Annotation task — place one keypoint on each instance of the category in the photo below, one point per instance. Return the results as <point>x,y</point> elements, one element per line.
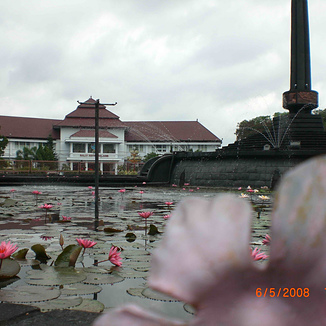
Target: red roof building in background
<point>74,137</point>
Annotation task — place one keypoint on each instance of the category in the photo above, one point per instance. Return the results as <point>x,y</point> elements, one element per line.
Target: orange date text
<point>283,292</point>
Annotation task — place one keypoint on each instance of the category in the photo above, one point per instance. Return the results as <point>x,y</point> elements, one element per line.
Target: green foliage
<point>253,126</point>
<point>45,152</point>
<point>149,156</point>
<point>322,113</point>
<point>3,144</point>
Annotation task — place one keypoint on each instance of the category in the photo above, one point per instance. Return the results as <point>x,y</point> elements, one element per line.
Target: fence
<point>44,167</point>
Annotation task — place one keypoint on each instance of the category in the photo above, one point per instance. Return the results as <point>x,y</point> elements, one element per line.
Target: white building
<point>75,135</point>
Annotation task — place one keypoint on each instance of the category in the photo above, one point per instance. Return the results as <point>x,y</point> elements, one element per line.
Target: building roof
<point>28,128</point>
<point>84,116</point>
<point>90,133</point>
<point>163,131</point>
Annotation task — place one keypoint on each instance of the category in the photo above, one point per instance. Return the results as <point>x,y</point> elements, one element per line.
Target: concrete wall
<point>228,172</point>
<point>225,168</point>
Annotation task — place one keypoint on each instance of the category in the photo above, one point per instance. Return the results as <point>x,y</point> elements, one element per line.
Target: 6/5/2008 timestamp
<point>283,292</point>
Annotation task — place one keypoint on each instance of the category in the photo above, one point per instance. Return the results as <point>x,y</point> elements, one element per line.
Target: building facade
<point>74,137</point>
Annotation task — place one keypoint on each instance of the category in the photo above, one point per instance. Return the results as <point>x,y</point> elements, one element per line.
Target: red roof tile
<point>161,131</point>
<point>91,133</point>
<point>35,128</point>
<point>83,122</point>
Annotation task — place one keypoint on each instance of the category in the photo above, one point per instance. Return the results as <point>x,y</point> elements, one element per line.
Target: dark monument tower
<point>305,129</point>
<point>300,93</point>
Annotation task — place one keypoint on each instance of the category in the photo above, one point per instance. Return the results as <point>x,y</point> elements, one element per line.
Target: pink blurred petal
<point>131,315</point>
<point>199,244</point>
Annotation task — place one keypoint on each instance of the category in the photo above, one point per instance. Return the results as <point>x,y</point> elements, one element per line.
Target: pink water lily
<point>66,218</point>
<point>256,254</point>
<point>169,203</point>
<point>267,240</point>
<point>145,214</point>
<point>7,249</point>
<point>114,256</point>
<point>86,243</point>
<point>122,191</point>
<point>200,263</point>
<point>46,206</point>
<point>36,192</point>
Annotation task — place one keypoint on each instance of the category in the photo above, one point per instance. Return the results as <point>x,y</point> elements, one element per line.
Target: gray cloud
<point>218,61</point>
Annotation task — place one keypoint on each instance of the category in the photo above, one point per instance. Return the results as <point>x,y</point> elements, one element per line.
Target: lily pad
<point>93,278</point>
<point>112,230</point>
<point>55,276</point>
<point>90,306</point>
<point>28,294</point>
<point>60,303</point>
<point>9,268</point>
<point>21,254</point>
<point>80,289</point>
<point>40,253</point>
<point>69,256</point>
<point>136,292</point>
<point>155,295</point>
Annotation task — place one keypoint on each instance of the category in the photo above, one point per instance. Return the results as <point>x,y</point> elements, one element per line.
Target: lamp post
<point>97,147</point>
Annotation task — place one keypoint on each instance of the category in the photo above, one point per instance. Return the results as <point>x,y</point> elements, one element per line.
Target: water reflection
<point>25,225</point>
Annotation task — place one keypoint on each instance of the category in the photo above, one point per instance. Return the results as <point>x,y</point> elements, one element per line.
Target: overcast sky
<point>216,61</point>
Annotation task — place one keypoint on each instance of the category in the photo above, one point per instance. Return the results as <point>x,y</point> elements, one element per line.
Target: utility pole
<point>97,150</point>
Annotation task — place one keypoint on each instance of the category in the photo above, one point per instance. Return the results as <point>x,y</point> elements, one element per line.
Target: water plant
<point>228,287</point>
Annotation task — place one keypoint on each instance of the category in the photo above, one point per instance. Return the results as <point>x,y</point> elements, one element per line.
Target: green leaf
<point>112,230</point>
<point>153,230</point>
<point>69,256</point>
<point>40,253</point>
<point>9,268</point>
<point>21,254</point>
<point>131,237</point>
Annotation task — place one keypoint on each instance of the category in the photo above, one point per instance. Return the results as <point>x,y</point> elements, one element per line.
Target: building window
<point>78,148</point>
<point>91,148</point>
<point>139,148</point>
<point>161,148</point>
<point>108,148</point>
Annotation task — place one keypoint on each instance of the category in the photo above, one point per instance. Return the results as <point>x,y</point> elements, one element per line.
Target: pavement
<point>23,315</point>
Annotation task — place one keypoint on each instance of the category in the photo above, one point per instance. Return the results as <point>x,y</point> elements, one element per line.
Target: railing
<point>45,167</point>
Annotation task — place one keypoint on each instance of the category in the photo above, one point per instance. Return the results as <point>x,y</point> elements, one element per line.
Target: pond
<point>88,287</point>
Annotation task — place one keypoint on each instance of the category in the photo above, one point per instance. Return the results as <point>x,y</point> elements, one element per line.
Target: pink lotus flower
<point>267,240</point>
<point>46,238</point>
<point>167,216</point>
<point>174,185</point>
<point>169,203</point>
<point>36,192</point>
<point>191,190</point>
<point>122,191</point>
<point>46,206</point>
<point>145,214</point>
<point>7,249</point>
<point>66,218</point>
<point>86,243</point>
<point>186,184</point>
<point>228,287</point>
<point>114,256</point>
<point>240,188</point>
<point>90,187</point>
<point>257,255</point>
<point>12,190</point>
<point>141,192</point>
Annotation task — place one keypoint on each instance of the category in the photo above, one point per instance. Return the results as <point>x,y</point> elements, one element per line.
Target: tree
<point>149,156</point>
<point>3,144</point>
<point>322,113</point>
<point>256,125</point>
<point>45,152</point>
